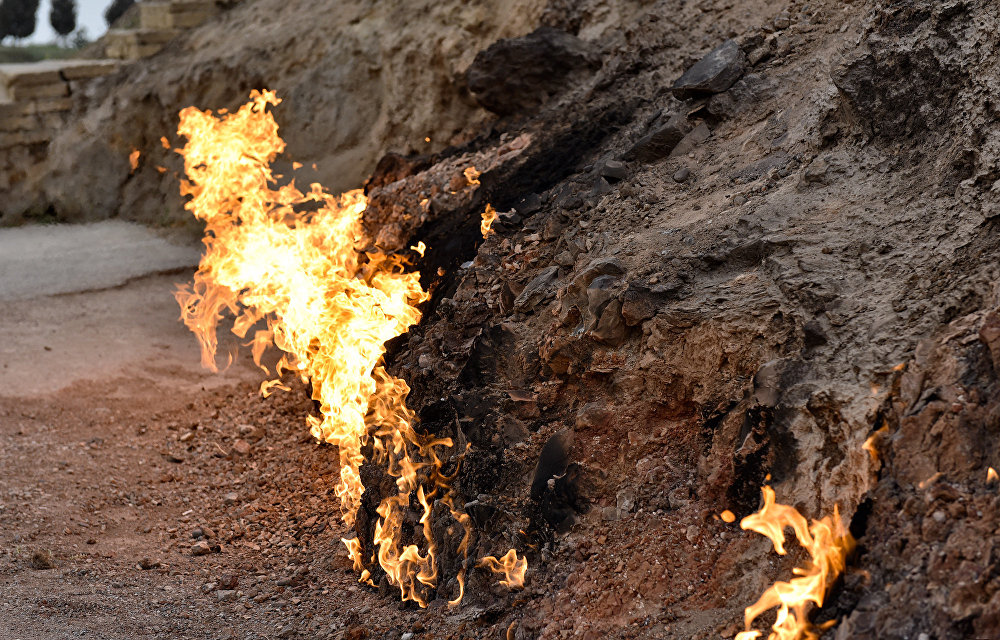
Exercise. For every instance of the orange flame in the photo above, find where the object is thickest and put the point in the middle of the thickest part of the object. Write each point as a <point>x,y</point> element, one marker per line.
<point>991,475</point>
<point>828,545</point>
<point>471,175</point>
<point>512,567</point>
<point>133,160</point>
<point>294,261</point>
<point>489,217</point>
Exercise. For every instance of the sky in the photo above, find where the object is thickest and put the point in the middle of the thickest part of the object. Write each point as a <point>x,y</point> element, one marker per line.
<point>89,14</point>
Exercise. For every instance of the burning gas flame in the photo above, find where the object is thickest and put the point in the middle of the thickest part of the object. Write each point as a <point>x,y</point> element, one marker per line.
<point>512,567</point>
<point>471,175</point>
<point>296,261</point>
<point>991,475</point>
<point>489,217</point>
<point>133,160</point>
<point>828,545</point>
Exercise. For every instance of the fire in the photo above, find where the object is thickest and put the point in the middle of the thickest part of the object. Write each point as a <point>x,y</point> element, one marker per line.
<point>296,261</point>
<point>828,544</point>
<point>512,567</point>
<point>489,217</point>
<point>471,175</point>
<point>991,475</point>
<point>133,160</point>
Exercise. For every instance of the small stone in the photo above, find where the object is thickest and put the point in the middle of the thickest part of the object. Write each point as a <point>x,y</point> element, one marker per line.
<point>285,581</point>
<point>536,290</point>
<point>406,636</point>
<point>225,595</point>
<point>201,548</point>
<point>231,498</point>
<point>739,200</point>
<point>241,447</point>
<point>146,564</point>
<point>660,140</point>
<point>682,174</point>
<point>229,581</point>
<point>601,187</point>
<point>187,436</point>
<point>609,514</point>
<point>564,259</point>
<point>613,169</point>
<point>626,500</point>
<point>197,532</point>
<point>208,587</point>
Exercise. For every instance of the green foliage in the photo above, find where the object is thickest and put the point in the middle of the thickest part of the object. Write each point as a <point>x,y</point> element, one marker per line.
<point>34,53</point>
<point>17,18</point>
<point>116,9</point>
<point>63,16</point>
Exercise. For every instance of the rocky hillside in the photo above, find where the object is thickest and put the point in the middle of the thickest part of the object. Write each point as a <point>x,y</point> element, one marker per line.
<point>736,241</point>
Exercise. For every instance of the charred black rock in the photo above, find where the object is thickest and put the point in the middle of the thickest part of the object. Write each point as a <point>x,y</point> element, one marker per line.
<point>521,73</point>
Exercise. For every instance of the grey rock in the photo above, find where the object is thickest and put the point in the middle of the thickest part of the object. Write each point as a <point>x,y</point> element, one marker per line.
<point>611,326</point>
<point>625,500</point>
<point>225,595</point>
<point>564,259</point>
<point>516,74</point>
<point>601,187</point>
<point>714,73</point>
<point>662,137</point>
<point>536,290</point>
<point>682,174</point>
<point>613,169</point>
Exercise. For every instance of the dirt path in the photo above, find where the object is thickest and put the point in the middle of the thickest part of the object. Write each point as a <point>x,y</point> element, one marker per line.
<point>119,454</point>
<point>114,450</point>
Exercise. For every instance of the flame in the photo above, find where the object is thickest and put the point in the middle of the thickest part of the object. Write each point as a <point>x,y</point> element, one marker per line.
<point>827,543</point>
<point>991,475</point>
<point>871,444</point>
<point>133,160</point>
<point>294,261</point>
<point>727,516</point>
<point>512,567</point>
<point>489,217</point>
<point>471,175</point>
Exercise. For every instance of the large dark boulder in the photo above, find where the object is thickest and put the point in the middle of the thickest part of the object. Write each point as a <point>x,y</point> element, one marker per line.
<point>714,73</point>
<point>516,74</point>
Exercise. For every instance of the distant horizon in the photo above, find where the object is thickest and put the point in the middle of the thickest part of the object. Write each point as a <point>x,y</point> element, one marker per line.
<point>89,15</point>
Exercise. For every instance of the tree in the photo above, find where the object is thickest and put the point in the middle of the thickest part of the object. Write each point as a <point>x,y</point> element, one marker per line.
<point>116,9</point>
<point>63,16</point>
<point>17,17</point>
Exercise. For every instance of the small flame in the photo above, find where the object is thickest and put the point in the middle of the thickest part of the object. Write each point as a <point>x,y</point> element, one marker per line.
<point>489,217</point>
<point>133,160</point>
<point>871,443</point>
<point>164,142</point>
<point>472,175</point>
<point>991,475</point>
<point>826,541</point>
<point>512,567</point>
<point>728,516</point>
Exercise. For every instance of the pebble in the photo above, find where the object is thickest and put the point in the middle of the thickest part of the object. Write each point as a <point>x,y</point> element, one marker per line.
<point>682,174</point>
<point>200,548</point>
<point>225,595</point>
<point>241,447</point>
